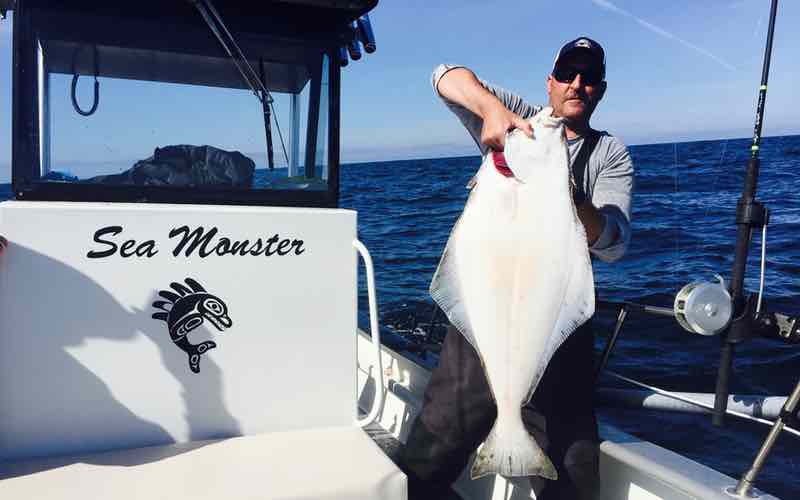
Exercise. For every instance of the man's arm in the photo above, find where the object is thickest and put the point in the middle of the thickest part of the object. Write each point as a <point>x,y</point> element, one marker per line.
<point>461,86</point>
<point>486,111</point>
<point>611,200</point>
<point>594,222</point>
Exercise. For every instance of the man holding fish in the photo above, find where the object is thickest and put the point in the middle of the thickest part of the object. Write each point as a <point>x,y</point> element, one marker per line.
<point>515,280</point>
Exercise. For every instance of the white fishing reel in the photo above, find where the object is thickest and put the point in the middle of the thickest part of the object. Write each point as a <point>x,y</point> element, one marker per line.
<point>704,308</point>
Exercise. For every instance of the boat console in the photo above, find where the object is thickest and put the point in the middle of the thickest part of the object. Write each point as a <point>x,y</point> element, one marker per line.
<point>178,291</point>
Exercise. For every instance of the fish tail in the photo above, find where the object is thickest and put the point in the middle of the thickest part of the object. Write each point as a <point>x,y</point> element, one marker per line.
<point>510,452</point>
<point>195,351</point>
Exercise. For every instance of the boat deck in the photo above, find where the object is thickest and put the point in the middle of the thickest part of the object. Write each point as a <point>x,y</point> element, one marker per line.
<point>390,445</point>
<point>393,449</point>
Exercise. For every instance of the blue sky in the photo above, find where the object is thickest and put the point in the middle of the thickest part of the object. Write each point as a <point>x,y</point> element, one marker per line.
<point>677,71</point>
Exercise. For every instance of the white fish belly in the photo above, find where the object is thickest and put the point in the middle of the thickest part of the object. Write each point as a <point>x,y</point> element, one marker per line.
<point>510,256</point>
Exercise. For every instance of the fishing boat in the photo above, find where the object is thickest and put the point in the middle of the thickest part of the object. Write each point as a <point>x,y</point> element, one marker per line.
<point>185,326</point>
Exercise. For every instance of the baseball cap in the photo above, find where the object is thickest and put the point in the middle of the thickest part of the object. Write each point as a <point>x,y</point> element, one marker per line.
<point>589,46</point>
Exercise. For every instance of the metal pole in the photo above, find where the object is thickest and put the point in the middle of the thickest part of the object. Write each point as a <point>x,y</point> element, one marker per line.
<point>623,313</point>
<point>267,116</point>
<point>746,483</point>
<point>747,210</point>
<point>295,157</point>
<point>312,124</point>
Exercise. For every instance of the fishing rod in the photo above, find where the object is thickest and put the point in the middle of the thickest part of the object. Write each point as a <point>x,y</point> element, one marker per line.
<point>750,214</point>
<point>709,309</point>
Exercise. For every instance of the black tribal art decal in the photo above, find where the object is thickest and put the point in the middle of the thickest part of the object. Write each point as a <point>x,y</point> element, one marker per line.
<point>186,310</point>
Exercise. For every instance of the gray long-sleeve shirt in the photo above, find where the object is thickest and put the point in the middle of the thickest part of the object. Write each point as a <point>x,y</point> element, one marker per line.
<point>608,178</point>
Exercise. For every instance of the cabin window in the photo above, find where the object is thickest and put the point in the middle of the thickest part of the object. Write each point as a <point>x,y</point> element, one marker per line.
<point>172,117</point>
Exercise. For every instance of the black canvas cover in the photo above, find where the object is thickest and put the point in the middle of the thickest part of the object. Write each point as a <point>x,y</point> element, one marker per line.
<point>186,166</point>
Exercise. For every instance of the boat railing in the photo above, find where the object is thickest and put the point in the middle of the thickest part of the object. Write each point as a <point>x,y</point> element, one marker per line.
<point>375,332</point>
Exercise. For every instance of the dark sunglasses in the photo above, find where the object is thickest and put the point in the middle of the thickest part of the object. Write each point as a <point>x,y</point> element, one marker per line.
<point>566,74</point>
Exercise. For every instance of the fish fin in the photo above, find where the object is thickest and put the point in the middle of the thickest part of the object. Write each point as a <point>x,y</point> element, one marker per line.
<point>578,304</point>
<point>180,288</point>
<point>511,453</point>
<point>196,287</point>
<point>580,290</point>
<point>169,295</point>
<point>163,305</point>
<point>445,290</point>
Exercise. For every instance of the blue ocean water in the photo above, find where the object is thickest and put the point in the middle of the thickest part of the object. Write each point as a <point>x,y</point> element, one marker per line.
<point>683,221</point>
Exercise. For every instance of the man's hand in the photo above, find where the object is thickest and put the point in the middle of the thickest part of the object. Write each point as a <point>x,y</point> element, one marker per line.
<point>497,121</point>
<point>461,86</point>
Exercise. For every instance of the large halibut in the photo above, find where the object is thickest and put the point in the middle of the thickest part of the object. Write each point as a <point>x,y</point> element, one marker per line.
<point>516,280</point>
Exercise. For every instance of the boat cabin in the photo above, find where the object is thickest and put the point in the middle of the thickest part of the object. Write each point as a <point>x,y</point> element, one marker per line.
<point>229,102</point>
<point>178,292</point>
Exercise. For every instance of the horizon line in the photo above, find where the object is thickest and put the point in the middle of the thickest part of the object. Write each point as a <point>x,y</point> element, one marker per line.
<point>477,153</point>
<point>463,155</point>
